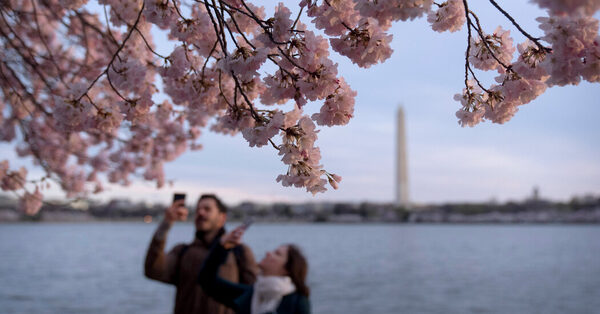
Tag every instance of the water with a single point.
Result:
(98, 267)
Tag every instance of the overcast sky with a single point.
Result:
(551, 143)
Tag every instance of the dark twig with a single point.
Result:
(115, 55)
(148, 45)
(512, 20)
(468, 44)
(484, 41)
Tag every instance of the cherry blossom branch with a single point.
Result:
(274, 146)
(30, 61)
(114, 56)
(24, 88)
(178, 11)
(512, 20)
(51, 57)
(260, 23)
(477, 80)
(209, 56)
(237, 27)
(297, 18)
(352, 30)
(484, 41)
(468, 44)
(230, 32)
(87, 51)
(220, 31)
(270, 34)
(222, 93)
(36, 154)
(112, 36)
(252, 111)
(221, 25)
(113, 87)
(217, 32)
(148, 45)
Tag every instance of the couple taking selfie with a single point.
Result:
(217, 274)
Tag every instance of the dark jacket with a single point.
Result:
(181, 265)
(239, 296)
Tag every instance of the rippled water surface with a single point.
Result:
(97, 267)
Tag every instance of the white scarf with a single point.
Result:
(268, 292)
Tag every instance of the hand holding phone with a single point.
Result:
(233, 238)
(247, 222)
(177, 210)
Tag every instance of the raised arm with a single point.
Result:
(222, 290)
(248, 269)
(158, 265)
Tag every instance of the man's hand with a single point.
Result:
(233, 238)
(177, 211)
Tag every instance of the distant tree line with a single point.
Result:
(578, 209)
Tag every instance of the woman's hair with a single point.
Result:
(297, 268)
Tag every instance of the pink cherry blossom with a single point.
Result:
(338, 109)
(333, 17)
(180, 63)
(260, 135)
(72, 4)
(574, 45)
(366, 45)
(12, 180)
(244, 63)
(529, 63)
(159, 12)
(127, 75)
(519, 90)
(393, 10)
(450, 16)
(334, 180)
(497, 46)
(469, 118)
(243, 22)
(571, 7)
(291, 117)
(31, 203)
(473, 103)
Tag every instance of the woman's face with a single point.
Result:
(273, 264)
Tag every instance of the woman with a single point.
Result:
(280, 287)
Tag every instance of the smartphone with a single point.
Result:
(178, 196)
(247, 222)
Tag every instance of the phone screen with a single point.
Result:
(178, 196)
(247, 222)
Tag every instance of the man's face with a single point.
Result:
(208, 216)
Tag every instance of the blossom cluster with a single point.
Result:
(572, 55)
(450, 16)
(570, 7)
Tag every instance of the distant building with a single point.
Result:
(402, 198)
(535, 196)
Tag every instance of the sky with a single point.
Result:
(551, 143)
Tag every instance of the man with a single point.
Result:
(181, 265)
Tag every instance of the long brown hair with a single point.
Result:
(297, 268)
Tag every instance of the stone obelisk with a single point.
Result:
(401, 162)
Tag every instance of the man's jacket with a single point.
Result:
(181, 266)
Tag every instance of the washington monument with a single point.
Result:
(401, 162)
